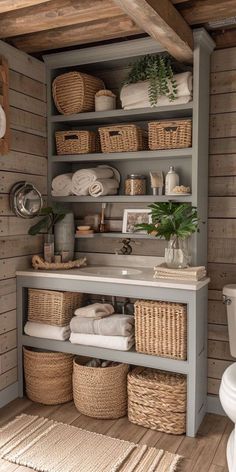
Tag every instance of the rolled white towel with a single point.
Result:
(162, 101)
(83, 178)
(41, 330)
(96, 310)
(121, 343)
(62, 185)
(103, 187)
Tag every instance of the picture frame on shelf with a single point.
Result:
(132, 217)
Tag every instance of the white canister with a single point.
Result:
(64, 234)
(105, 103)
(172, 179)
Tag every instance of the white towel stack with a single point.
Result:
(97, 325)
(192, 274)
(101, 180)
(41, 330)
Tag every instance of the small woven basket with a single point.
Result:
(157, 400)
(100, 392)
(48, 376)
(76, 142)
(122, 138)
(167, 134)
(161, 328)
(51, 307)
(74, 92)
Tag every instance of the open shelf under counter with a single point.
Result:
(123, 116)
(125, 156)
(116, 235)
(124, 199)
(128, 357)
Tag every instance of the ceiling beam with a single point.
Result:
(11, 5)
(225, 39)
(163, 22)
(202, 11)
(76, 35)
(56, 14)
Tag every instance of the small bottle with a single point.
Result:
(172, 179)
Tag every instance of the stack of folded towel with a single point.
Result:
(101, 180)
(192, 274)
(41, 330)
(97, 325)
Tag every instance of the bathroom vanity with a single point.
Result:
(124, 279)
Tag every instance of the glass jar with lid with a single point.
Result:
(135, 184)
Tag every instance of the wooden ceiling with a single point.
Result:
(37, 26)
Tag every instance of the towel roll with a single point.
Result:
(83, 178)
(62, 185)
(103, 187)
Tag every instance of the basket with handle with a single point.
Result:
(74, 92)
(122, 138)
(76, 142)
(166, 134)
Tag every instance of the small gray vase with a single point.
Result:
(64, 234)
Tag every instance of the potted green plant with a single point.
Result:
(50, 216)
(174, 222)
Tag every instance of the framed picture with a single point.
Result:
(135, 217)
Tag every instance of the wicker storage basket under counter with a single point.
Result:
(157, 400)
(48, 376)
(76, 142)
(122, 138)
(52, 307)
(161, 328)
(167, 134)
(74, 92)
(100, 392)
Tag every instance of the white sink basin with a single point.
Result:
(111, 271)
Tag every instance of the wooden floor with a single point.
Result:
(205, 453)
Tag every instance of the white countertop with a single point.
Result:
(144, 278)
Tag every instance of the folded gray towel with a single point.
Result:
(113, 325)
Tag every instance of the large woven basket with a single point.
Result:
(76, 142)
(100, 392)
(51, 307)
(161, 328)
(167, 134)
(157, 400)
(74, 92)
(48, 376)
(122, 138)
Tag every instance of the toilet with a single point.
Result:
(227, 391)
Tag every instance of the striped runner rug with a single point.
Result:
(49, 446)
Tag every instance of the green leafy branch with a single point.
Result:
(50, 216)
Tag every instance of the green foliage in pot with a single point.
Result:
(50, 216)
(159, 71)
(171, 220)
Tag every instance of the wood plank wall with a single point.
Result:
(26, 161)
(222, 208)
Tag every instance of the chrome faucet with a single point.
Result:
(126, 249)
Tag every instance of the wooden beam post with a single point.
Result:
(163, 22)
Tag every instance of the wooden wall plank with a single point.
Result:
(223, 125)
(8, 341)
(7, 321)
(223, 103)
(25, 142)
(21, 62)
(23, 162)
(223, 61)
(8, 267)
(219, 207)
(219, 350)
(7, 179)
(221, 274)
(27, 86)
(216, 368)
(223, 82)
(8, 302)
(8, 361)
(222, 186)
(217, 312)
(28, 122)
(227, 230)
(222, 165)
(27, 103)
(8, 378)
(15, 246)
(218, 332)
(222, 146)
(215, 295)
(8, 287)
(213, 386)
(222, 250)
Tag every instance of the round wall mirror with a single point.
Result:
(25, 200)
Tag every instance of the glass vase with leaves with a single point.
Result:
(174, 222)
(159, 71)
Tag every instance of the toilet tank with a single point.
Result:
(229, 299)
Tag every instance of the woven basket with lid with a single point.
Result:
(74, 92)
(100, 392)
(48, 376)
(157, 400)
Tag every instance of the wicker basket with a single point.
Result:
(51, 307)
(157, 400)
(76, 142)
(167, 134)
(48, 376)
(122, 138)
(161, 328)
(100, 392)
(74, 92)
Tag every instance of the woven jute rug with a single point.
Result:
(48, 446)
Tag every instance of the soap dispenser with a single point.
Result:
(171, 180)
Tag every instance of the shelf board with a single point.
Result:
(128, 357)
(125, 156)
(116, 235)
(122, 116)
(124, 199)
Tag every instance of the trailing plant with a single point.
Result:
(158, 70)
(171, 220)
(50, 216)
